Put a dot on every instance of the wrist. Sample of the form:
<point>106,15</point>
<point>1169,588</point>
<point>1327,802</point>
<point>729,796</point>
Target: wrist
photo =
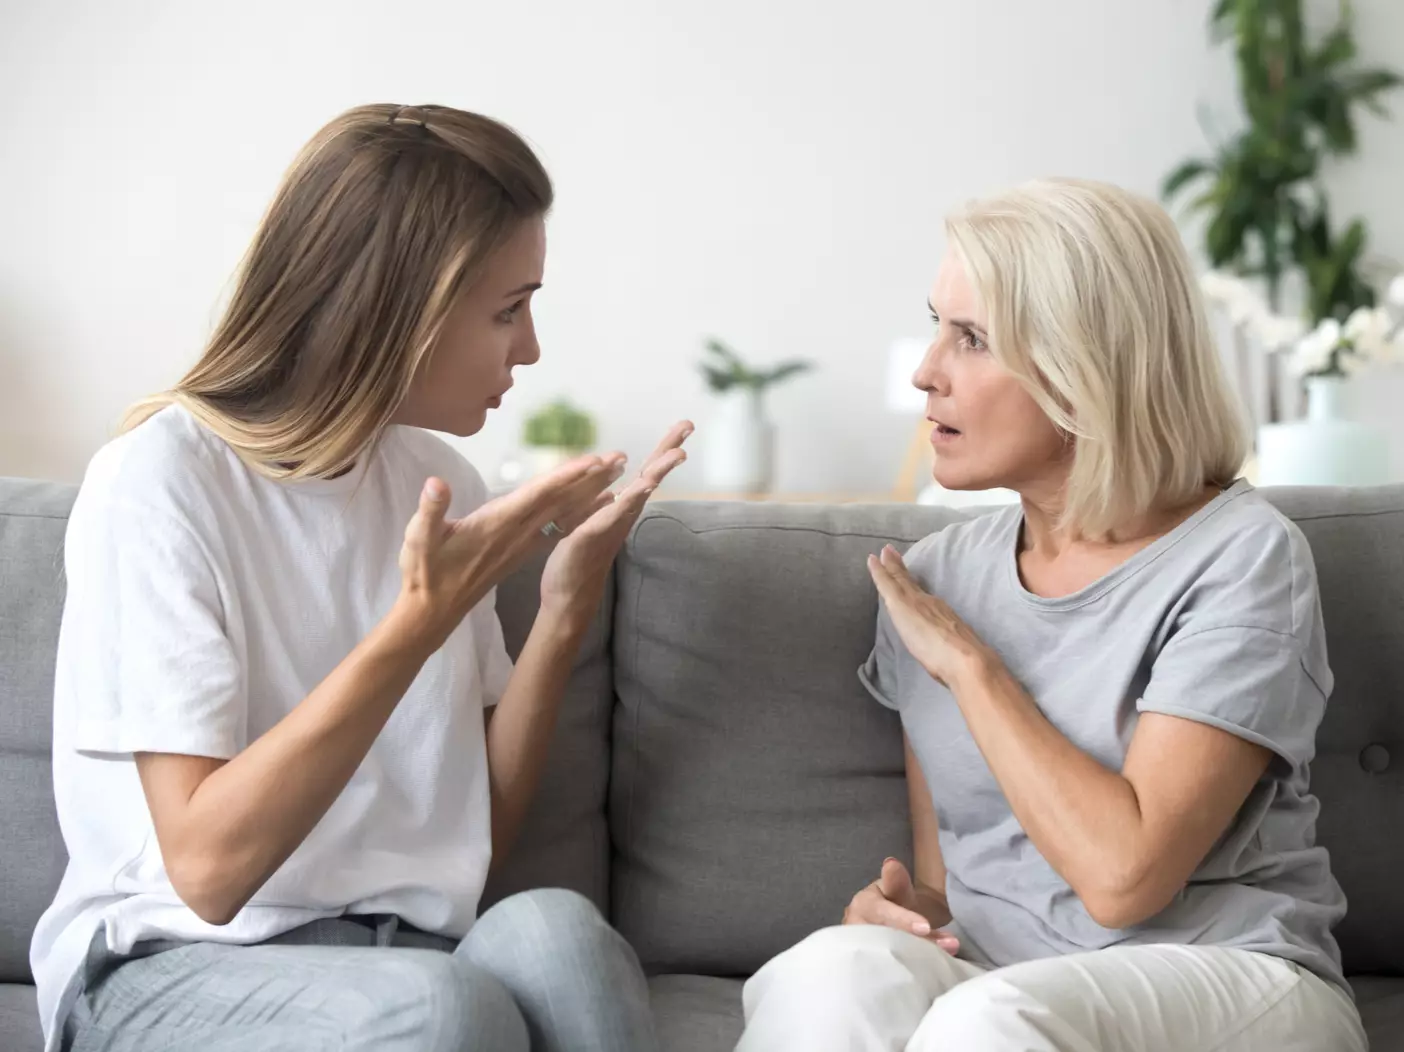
<point>563,622</point>
<point>977,669</point>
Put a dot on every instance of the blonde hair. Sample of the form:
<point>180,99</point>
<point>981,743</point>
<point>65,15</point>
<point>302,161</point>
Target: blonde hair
<point>381,222</point>
<point>1093,303</point>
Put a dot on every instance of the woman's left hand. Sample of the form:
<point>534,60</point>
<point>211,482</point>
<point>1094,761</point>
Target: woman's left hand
<point>941,642</point>
<point>573,583</point>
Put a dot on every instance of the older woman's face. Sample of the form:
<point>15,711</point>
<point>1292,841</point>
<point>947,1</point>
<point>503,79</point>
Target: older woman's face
<point>989,432</point>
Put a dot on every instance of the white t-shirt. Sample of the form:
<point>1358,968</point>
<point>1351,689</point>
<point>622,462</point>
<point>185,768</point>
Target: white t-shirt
<point>206,601</point>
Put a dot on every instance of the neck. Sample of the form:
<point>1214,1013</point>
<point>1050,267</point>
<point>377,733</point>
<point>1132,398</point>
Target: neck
<point>1044,533</point>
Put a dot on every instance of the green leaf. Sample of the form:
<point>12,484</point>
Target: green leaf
<point>784,372</point>
<point>1182,176</point>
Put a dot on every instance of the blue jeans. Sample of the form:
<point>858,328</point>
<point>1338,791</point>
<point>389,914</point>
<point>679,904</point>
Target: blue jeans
<point>539,972</point>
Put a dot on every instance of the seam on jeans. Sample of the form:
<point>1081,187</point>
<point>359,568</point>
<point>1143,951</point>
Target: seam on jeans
<point>1267,1007</point>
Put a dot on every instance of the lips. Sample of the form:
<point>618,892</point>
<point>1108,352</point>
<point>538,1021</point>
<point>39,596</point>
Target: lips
<point>943,429</point>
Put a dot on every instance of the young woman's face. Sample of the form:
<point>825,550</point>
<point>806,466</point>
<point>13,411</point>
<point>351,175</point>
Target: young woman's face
<point>989,430</point>
<point>488,332</point>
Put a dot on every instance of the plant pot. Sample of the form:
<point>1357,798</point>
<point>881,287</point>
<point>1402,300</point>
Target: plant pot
<point>1326,448</point>
<point>738,447</point>
<point>543,459</point>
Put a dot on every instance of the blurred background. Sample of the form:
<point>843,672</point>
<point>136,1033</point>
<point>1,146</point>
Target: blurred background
<point>771,174</point>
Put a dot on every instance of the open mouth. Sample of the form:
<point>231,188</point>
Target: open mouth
<point>942,429</point>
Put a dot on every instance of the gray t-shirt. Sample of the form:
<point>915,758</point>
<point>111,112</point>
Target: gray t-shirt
<point>1219,621</point>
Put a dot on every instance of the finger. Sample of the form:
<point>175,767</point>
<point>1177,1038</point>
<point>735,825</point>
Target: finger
<point>538,501</point>
<point>895,883</point>
<point>572,523</point>
<point>676,436</point>
<point>621,513</point>
<point>657,469</point>
<point>946,941</point>
<point>579,501</point>
<point>891,915</point>
<point>882,577</point>
<point>427,524</point>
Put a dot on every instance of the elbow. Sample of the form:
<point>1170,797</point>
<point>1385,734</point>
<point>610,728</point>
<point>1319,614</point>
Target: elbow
<point>1126,901</point>
<point>203,885</point>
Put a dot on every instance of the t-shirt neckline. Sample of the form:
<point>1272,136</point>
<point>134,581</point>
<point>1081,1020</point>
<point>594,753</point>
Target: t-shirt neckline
<point>1110,580</point>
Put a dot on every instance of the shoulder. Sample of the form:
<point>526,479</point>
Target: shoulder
<point>165,468</point>
<point>1252,567</point>
<point>429,455</point>
<point>963,548</point>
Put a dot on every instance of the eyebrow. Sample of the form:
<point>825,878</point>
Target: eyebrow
<point>531,286</point>
<point>959,323</point>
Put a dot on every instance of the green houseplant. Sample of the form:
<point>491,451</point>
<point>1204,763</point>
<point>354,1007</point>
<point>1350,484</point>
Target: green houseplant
<point>739,441</point>
<point>555,433</point>
<point>1261,193</point>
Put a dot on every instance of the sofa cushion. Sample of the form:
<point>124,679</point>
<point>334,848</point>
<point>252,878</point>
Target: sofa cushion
<point>565,840</point>
<point>696,1013</point>
<point>19,1019</point>
<point>1381,1004</point>
<point>32,520</point>
<point>1357,540</point>
<point>756,785</point>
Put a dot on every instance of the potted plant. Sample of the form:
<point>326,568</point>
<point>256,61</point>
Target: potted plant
<point>739,443</point>
<point>1261,194</point>
<point>556,433</point>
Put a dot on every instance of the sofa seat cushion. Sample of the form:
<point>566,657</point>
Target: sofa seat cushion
<point>1381,1002</point>
<point>19,1019</point>
<point>696,1013</point>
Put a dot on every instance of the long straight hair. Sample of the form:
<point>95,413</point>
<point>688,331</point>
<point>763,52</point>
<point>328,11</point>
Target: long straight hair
<point>1093,304</point>
<point>383,220</point>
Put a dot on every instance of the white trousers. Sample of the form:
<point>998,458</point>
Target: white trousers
<point>862,988</point>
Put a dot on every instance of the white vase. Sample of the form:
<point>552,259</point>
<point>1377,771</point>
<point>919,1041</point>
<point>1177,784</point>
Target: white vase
<point>738,444</point>
<point>543,459</point>
<point>1326,448</point>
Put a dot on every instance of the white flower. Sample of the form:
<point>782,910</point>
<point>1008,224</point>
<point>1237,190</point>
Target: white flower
<point>1360,322</point>
<point>1313,351</point>
<point>1395,295</point>
<point>1351,362</point>
<point>1276,331</point>
<point>1235,295</point>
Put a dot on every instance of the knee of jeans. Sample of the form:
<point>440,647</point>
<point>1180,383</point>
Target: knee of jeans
<point>448,1005</point>
<point>555,913</point>
<point>976,1013</point>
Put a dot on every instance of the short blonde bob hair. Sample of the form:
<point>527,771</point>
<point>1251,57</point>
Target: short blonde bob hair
<point>1092,301</point>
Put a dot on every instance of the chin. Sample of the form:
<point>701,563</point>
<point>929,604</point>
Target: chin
<point>948,477</point>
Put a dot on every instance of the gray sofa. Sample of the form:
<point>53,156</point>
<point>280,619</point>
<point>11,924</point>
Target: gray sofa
<point>720,783</point>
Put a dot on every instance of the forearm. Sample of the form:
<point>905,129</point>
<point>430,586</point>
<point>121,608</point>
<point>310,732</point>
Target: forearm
<point>519,732</point>
<point>1083,818</point>
<point>245,818</point>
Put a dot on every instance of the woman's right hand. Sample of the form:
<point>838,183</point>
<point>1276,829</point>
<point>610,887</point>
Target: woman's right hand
<point>448,565</point>
<point>893,901</point>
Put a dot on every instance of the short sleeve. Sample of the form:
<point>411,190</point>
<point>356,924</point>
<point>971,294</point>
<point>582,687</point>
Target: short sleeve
<point>146,660</point>
<point>1250,682</point>
<point>494,663</point>
<point>879,672</point>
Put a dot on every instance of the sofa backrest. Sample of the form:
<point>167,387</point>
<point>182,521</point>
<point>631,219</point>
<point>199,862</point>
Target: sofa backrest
<point>756,787</point>
<point>33,516</point>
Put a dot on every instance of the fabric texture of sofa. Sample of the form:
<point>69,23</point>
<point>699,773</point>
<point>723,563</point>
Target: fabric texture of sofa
<point>720,784</point>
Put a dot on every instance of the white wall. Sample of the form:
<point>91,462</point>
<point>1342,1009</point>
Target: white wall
<point>774,173</point>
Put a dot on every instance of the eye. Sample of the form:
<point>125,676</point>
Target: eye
<point>511,312</point>
<point>969,338</point>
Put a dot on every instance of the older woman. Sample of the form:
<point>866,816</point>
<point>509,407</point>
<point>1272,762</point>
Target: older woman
<point>1110,693</point>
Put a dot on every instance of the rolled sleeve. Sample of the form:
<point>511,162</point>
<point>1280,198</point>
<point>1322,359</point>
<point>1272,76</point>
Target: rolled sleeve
<point>1249,682</point>
<point>879,673</point>
<point>147,661</point>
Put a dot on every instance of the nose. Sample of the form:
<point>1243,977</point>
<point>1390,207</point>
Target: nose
<point>931,375</point>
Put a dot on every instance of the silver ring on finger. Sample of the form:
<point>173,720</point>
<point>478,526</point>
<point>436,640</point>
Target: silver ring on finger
<point>551,531</point>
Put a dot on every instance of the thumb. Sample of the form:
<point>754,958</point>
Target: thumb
<point>433,504</point>
<point>895,882</point>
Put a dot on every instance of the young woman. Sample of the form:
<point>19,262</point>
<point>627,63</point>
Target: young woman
<point>288,741</point>
<point>1110,693</point>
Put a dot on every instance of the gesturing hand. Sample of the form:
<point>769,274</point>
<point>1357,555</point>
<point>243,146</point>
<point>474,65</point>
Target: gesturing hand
<point>892,902</point>
<point>574,579</point>
<point>940,641</point>
<point>448,565</point>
